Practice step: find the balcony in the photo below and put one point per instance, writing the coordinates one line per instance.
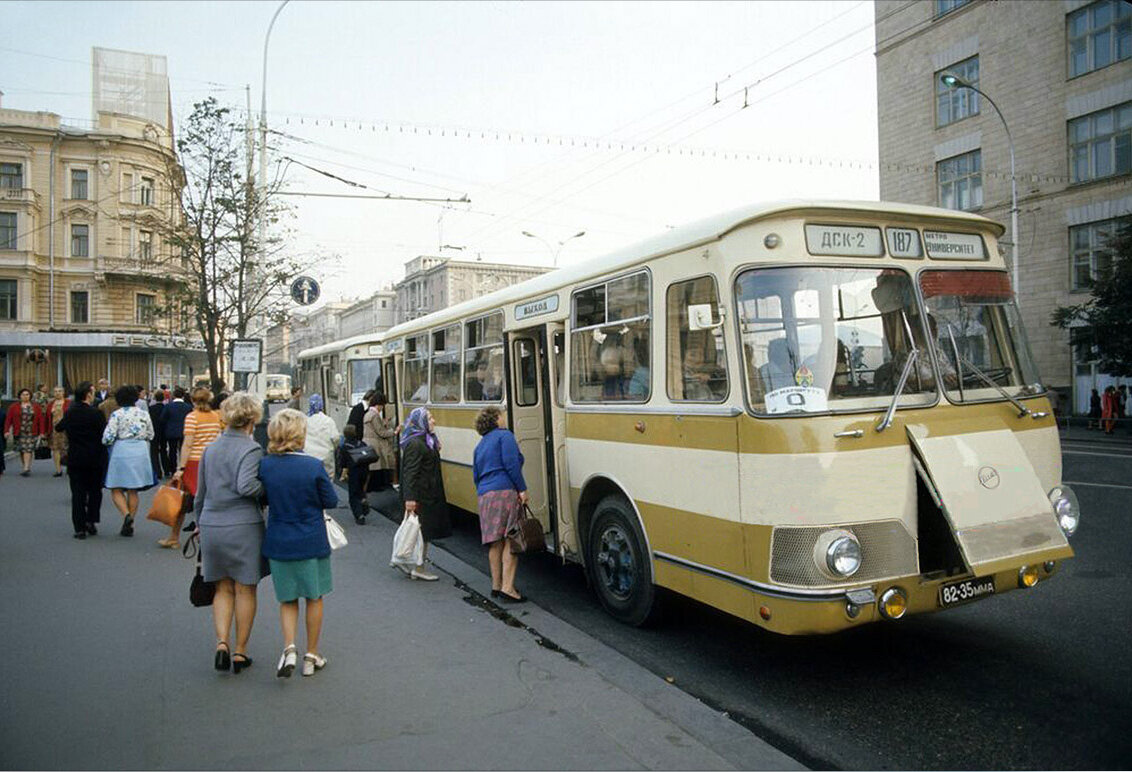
(19, 196)
(168, 269)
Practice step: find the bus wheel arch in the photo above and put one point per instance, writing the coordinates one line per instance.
(617, 557)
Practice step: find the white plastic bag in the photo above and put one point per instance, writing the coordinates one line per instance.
(408, 545)
(334, 533)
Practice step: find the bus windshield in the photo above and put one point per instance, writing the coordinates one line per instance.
(365, 374)
(977, 332)
(830, 339)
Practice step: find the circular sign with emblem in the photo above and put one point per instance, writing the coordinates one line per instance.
(988, 477)
(304, 290)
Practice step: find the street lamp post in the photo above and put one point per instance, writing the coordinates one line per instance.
(953, 81)
(554, 251)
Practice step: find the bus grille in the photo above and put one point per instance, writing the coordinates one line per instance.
(887, 550)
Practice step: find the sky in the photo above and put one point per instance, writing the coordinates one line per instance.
(617, 119)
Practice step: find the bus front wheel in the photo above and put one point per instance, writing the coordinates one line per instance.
(620, 569)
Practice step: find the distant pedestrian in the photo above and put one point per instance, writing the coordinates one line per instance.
(173, 427)
(103, 391)
(497, 470)
(202, 426)
(1094, 411)
(26, 425)
(1108, 409)
(422, 485)
(158, 453)
(40, 397)
(296, 403)
(86, 459)
(358, 412)
(127, 434)
(355, 474)
(322, 435)
(1121, 401)
(379, 433)
(298, 490)
(109, 405)
(231, 526)
(56, 409)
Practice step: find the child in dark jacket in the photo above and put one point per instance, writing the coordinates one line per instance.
(355, 474)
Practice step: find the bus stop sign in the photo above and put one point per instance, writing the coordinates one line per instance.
(304, 290)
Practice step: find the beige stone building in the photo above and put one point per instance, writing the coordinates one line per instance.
(432, 283)
(1061, 73)
(375, 313)
(85, 274)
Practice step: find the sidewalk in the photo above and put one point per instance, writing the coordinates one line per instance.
(107, 665)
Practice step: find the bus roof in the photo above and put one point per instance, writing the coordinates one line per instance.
(684, 237)
(336, 346)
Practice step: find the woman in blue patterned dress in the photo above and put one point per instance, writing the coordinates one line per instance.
(127, 434)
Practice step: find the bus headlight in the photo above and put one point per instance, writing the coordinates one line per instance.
(1065, 508)
(837, 554)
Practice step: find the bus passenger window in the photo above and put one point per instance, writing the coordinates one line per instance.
(414, 388)
(697, 364)
(609, 349)
(483, 359)
(446, 365)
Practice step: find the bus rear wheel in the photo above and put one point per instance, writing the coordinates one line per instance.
(620, 570)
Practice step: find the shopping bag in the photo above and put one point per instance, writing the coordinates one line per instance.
(42, 450)
(334, 533)
(168, 504)
(526, 535)
(408, 544)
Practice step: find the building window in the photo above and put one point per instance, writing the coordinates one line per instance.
(146, 308)
(11, 176)
(7, 230)
(127, 193)
(1099, 35)
(146, 191)
(383, 304)
(80, 307)
(78, 183)
(8, 304)
(80, 241)
(961, 181)
(944, 7)
(1100, 144)
(955, 104)
(1089, 245)
(145, 246)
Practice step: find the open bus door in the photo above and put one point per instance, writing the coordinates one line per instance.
(531, 421)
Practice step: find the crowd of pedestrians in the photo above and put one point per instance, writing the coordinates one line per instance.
(258, 514)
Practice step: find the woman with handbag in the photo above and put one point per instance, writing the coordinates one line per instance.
(296, 544)
(202, 426)
(26, 424)
(56, 409)
(498, 473)
(86, 462)
(422, 486)
(379, 434)
(230, 519)
(127, 434)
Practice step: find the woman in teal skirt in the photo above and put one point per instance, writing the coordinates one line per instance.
(295, 544)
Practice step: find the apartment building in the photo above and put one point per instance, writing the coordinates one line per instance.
(432, 283)
(1060, 72)
(375, 313)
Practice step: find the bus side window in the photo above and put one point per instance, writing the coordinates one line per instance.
(610, 341)
(697, 362)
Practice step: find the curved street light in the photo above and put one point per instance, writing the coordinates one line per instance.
(554, 251)
(953, 81)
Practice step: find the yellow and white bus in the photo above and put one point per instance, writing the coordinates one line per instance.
(811, 415)
(342, 372)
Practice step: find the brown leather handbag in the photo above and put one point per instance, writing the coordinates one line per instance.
(526, 535)
(168, 504)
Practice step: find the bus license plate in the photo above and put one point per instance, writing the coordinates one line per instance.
(967, 590)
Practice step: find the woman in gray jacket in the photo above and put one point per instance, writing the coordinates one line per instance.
(231, 526)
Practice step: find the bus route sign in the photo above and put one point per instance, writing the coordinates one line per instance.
(304, 290)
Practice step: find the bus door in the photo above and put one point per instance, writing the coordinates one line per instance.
(556, 380)
(389, 388)
(530, 422)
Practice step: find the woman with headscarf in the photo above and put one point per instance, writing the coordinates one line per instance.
(422, 486)
(322, 435)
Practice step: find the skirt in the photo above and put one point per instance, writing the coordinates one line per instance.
(233, 552)
(499, 511)
(189, 477)
(294, 579)
(130, 467)
(58, 440)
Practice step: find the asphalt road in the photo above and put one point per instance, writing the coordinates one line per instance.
(1036, 679)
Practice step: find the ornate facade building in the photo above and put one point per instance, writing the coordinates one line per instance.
(432, 283)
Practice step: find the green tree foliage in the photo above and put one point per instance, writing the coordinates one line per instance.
(1104, 321)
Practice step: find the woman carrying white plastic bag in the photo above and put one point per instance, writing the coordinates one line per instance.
(408, 545)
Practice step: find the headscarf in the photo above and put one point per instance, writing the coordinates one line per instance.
(416, 425)
(316, 404)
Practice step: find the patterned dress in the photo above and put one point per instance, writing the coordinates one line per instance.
(26, 441)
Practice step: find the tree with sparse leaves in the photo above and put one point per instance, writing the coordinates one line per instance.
(1104, 321)
(232, 281)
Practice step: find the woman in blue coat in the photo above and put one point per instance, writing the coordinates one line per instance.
(501, 492)
(298, 490)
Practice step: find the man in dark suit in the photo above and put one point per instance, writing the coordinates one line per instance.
(86, 459)
(173, 425)
(103, 391)
(158, 453)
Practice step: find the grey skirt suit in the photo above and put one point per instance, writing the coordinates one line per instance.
(228, 510)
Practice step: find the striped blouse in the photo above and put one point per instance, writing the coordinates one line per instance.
(205, 427)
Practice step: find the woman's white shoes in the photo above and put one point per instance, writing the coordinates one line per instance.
(422, 575)
(287, 662)
(312, 662)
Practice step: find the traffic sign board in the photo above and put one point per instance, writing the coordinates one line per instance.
(304, 290)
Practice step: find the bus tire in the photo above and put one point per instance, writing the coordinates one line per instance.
(620, 569)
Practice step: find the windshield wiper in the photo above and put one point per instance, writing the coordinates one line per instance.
(1023, 411)
(888, 414)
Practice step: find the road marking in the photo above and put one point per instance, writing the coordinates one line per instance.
(1089, 453)
(1100, 485)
